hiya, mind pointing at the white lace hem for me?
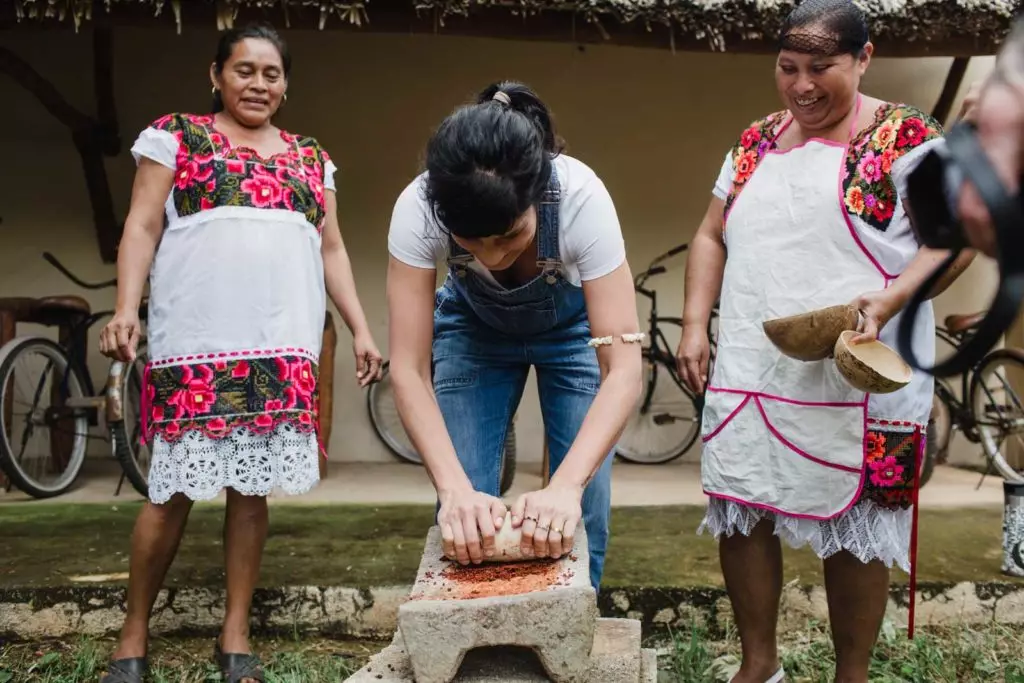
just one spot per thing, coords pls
(867, 530)
(200, 466)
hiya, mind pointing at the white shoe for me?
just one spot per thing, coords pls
(777, 678)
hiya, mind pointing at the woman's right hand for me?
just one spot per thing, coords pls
(468, 521)
(692, 357)
(120, 336)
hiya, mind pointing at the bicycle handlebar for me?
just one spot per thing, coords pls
(52, 260)
(678, 250)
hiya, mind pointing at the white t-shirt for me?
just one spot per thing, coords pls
(590, 239)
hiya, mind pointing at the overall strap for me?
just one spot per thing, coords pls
(549, 257)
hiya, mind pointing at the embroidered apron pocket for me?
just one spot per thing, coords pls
(890, 460)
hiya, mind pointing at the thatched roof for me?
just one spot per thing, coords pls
(909, 26)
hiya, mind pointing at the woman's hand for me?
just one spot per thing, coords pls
(876, 309)
(120, 337)
(692, 357)
(548, 518)
(368, 359)
(468, 520)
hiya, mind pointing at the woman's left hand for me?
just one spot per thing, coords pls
(548, 518)
(368, 359)
(876, 309)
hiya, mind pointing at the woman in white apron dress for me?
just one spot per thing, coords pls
(807, 213)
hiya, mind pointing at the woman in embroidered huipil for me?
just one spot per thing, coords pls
(234, 222)
(807, 213)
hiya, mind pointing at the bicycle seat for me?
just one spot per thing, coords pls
(963, 322)
(48, 310)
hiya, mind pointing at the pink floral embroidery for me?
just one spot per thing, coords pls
(885, 471)
(870, 167)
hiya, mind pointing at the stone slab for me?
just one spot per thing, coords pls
(648, 666)
(617, 658)
(548, 606)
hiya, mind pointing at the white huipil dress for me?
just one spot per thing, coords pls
(786, 439)
(236, 313)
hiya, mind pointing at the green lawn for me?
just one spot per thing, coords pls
(45, 544)
(989, 654)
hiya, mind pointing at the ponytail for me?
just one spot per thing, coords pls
(522, 100)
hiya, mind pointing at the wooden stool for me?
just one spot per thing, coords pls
(326, 380)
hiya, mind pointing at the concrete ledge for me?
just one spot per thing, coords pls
(372, 613)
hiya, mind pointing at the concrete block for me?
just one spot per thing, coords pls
(648, 666)
(616, 658)
(547, 606)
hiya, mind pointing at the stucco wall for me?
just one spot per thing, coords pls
(654, 125)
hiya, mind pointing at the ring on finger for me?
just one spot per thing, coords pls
(542, 528)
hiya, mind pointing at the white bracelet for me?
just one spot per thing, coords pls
(632, 338)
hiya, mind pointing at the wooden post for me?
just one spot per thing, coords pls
(326, 381)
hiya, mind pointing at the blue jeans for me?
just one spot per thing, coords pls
(479, 376)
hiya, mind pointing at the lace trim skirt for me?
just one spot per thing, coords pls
(867, 530)
(253, 464)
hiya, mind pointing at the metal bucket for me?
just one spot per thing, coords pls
(1013, 528)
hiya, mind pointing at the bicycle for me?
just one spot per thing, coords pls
(983, 415)
(65, 407)
(667, 420)
(380, 404)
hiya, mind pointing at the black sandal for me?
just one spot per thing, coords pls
(237, 667)
(131, 670)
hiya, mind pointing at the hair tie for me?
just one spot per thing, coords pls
(503, 98)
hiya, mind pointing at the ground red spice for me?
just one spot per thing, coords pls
(491, 580)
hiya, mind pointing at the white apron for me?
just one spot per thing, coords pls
(781, 434)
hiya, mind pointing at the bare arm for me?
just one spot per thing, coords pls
(410, 293)
(341, 285)
(611, 308)
(142, 230)
(705, 267)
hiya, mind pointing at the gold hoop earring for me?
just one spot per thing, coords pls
(213, 91)
(284, 98)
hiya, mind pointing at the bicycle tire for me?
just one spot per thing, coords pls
(942, 417)
(928, 457)
(126, 442)
(630, 453)
(379, 401)
(978, 388)
(8, 463)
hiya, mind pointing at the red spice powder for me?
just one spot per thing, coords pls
(491, 580)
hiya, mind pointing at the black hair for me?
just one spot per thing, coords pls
(844, 24)
(489, 162)
(232, 37)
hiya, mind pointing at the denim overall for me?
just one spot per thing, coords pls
(486, 338)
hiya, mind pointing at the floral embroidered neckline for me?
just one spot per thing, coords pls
(224, 145)
(786, 120)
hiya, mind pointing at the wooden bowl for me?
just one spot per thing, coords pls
(811, 336)
(872, 367)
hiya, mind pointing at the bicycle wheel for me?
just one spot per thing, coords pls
(380, 403)
(666, 421)
(928, 457)
(42, 441)
(131, 453)
(998, 409)
(942, 421)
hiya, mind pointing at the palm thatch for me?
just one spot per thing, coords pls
(978, 24)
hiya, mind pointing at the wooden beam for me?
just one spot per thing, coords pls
(94, 139)
(954, 79)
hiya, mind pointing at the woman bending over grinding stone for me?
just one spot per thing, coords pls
(536, 269)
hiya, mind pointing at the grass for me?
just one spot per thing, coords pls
(358, 545)
(991, 654)
(182, 661)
